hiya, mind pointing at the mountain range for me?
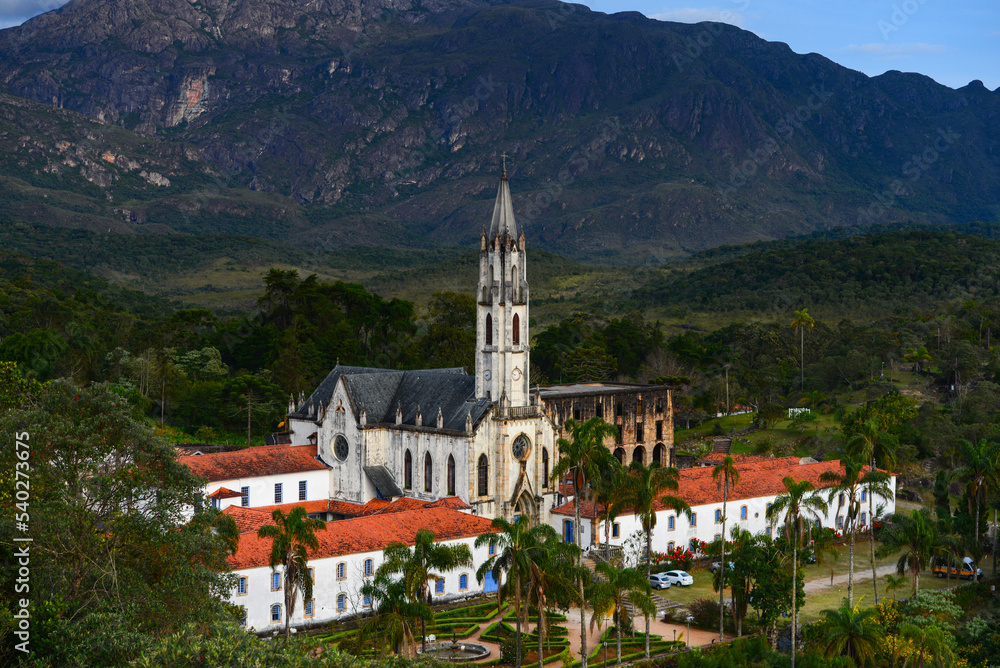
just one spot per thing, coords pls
(331, 123)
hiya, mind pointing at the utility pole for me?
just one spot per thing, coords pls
(727, 390)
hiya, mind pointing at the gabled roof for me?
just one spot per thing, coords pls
(224, 493)
(453, 502)
(757, 479)
(368, 534)
(380, 391)
(382, 478)
(254, 462)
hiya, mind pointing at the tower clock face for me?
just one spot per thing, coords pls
(516, 374)
(488, 375)
(520, 447)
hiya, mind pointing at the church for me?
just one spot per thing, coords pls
(489, 438)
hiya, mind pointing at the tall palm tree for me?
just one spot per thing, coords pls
(872, 444)
(982, 465)
(645, 490)
(391, 625)
(725, 475)
(424, 562)
(802, 320)
(551, 579)
(608, 496)
(917, 536)
(612, 590)
(799, 502)
(850, 632)
(583, 455)
(928, 640)
(519, 549)
(293, 535)
(845, 487)
(918, 356)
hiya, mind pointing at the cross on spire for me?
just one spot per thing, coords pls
(504, 157)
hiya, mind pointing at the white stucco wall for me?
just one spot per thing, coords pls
(262, 488)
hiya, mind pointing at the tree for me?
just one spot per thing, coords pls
(393, 612)
(112, 551)
(729, 475)
(798, 502)
(422, 563)
(293, 535)
(802, 320)
(551, 580)
(519, 551)
(928, 640)
(609, 498)
(612, 590)
(918, 356)
(892, 583)
(850, 632)
(982, 465)
(582, 456)
(845, 488)
(645, 487)
(917, 536)
(878, 448)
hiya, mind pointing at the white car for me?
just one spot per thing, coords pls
(682, 578)
(659, 581)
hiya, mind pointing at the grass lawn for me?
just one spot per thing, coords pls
(816, 602)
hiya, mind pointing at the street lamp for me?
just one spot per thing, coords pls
(605, 652)
(689, 620)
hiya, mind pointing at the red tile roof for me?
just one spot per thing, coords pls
(757, 479)
(248, 519)
(717, 457)
(452, 502)
(224, 493)
(254, 462)
(367, 534)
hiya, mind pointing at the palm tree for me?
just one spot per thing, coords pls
(422, 563)
(644, 491)
(609, 594)
(851, 632)
(391, 624)
(292, 536)
(799, 501)
(607, 494)
(918, 356)
(929, 640)
(892, 583)
(730, 476)
(982, 464)
(878, 448)
(917, 536)
(519, 549)
(802, 320)
(551, 579)
(583, 455)
(846, 487)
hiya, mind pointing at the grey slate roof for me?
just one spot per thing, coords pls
(503, 212)
(380, 391)
(383, 481)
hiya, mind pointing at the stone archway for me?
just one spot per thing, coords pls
(658, 453)
(639, 454)
(620, 455)
(525, 505)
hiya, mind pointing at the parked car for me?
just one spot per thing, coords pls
(682, 578)
(659, 581)
(729, 566)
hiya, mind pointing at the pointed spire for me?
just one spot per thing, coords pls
(399, 413)
(503, 223)
(440, 418)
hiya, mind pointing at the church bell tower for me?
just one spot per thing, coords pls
(502, 349)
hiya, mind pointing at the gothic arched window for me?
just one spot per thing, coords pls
(545, 468)
(407, 470)
(483, 471)
(489, 329)
(451, 476)
(428, 472)
(517, 330)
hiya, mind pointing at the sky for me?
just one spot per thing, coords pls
(951, 41)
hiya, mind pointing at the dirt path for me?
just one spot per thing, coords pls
(862, 574)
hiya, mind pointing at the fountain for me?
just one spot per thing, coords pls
(456, 651)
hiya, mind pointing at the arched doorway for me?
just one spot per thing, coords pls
(639, 454)
(658, 453)
(620, 455)
(525, 506)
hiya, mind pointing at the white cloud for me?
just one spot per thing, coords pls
(15, 12)
(895, 51)
(699, 14)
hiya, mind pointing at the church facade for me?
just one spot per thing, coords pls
(486, 438)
